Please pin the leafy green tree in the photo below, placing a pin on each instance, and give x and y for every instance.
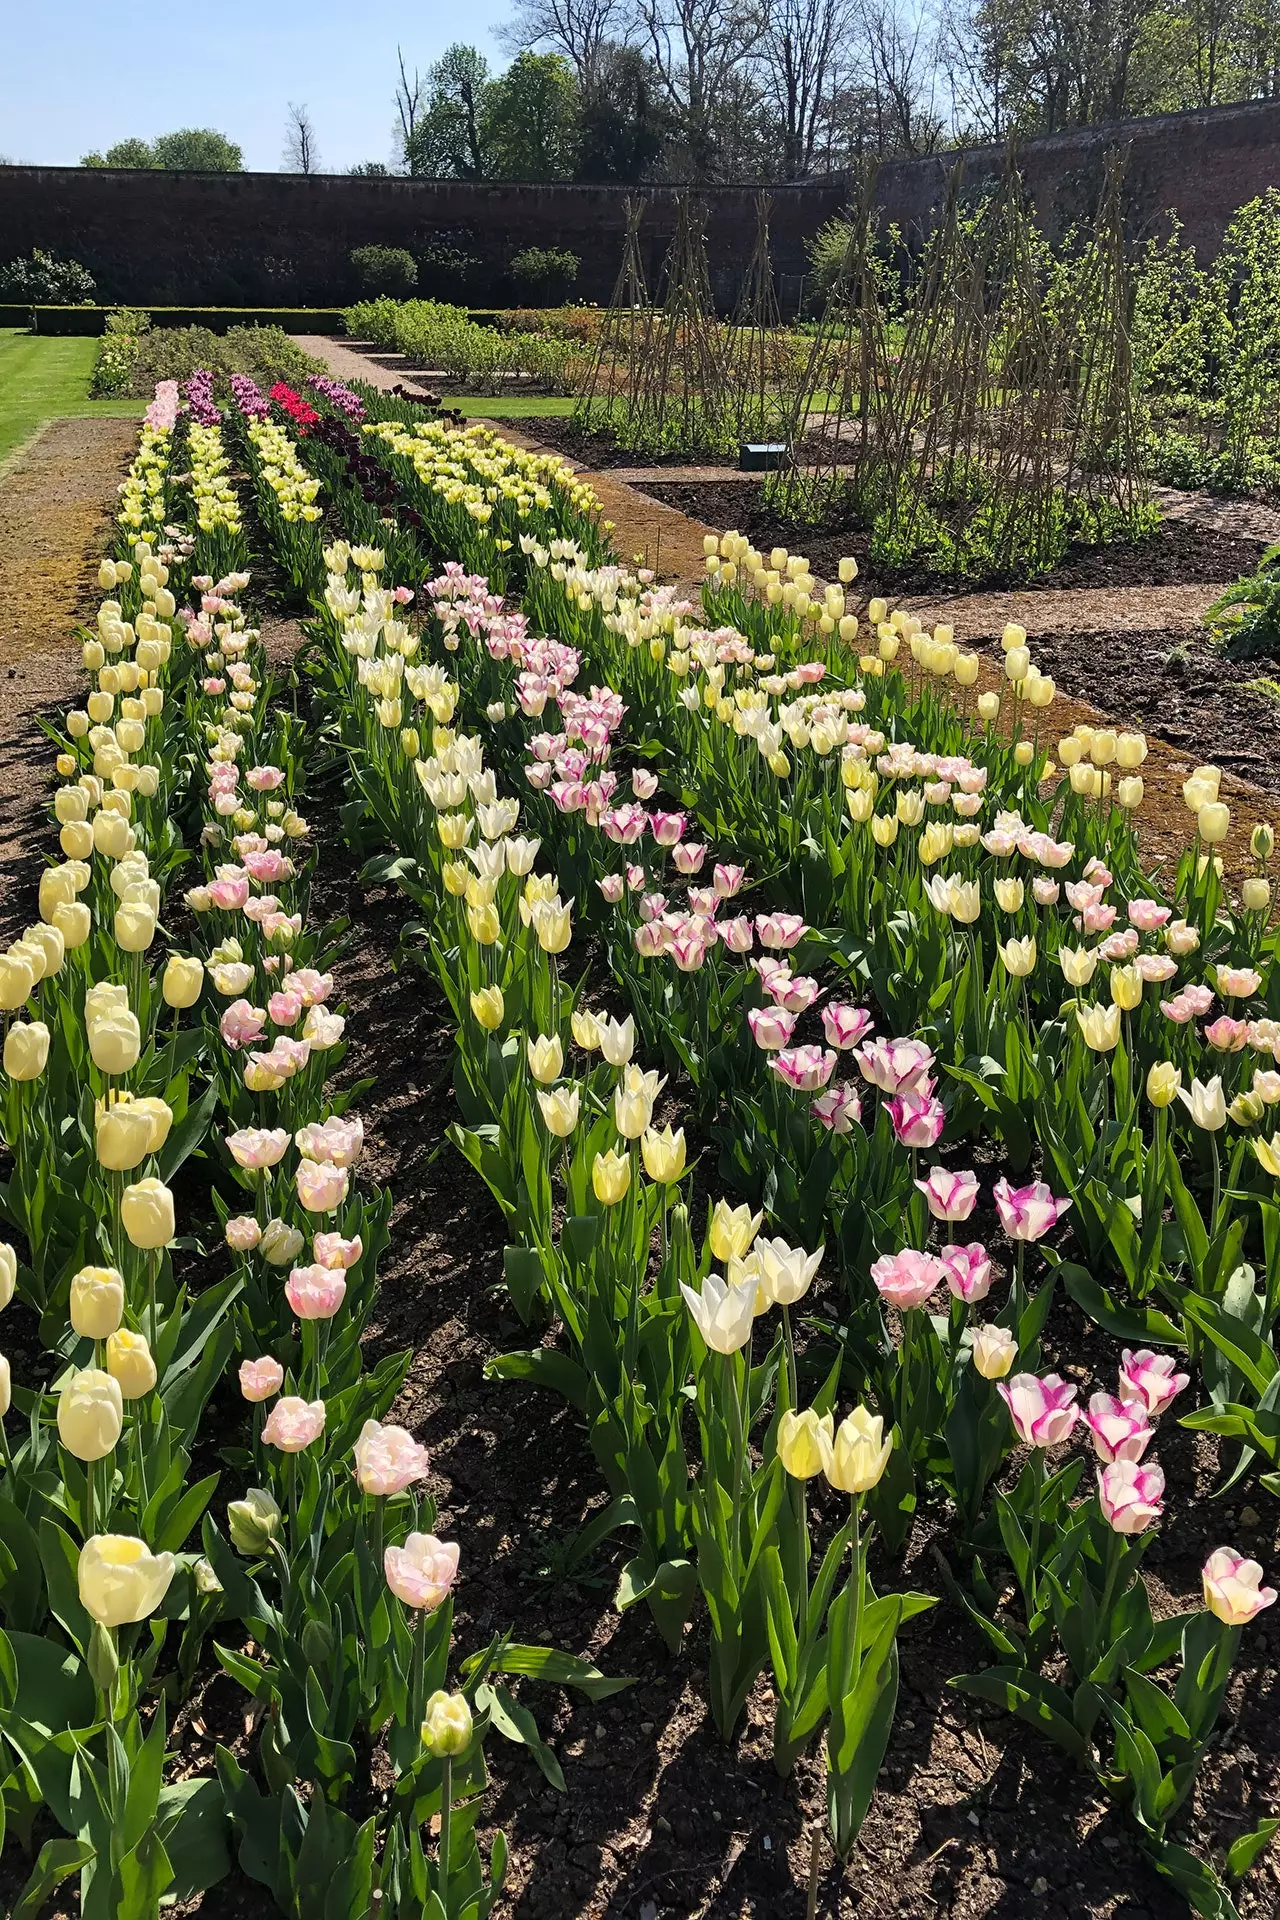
(190, 150)
(531, 119)
(624, 127)
(446, 140)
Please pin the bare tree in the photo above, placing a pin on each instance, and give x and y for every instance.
(410, 103)
(901, 76)
(802, 52)
(699, 49)
(301, 153)
(579, 29)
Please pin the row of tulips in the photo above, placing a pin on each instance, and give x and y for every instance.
(329, 1578)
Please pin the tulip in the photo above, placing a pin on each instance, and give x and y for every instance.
(321, 1188)
(663, 1155)
(1041, 1409)
(950, 1196)
(1232, 1587)
(1206, 1103)
(967, 1271)
(26, 1049)
(617, 1040)
(1163, 1083)
(488, 1008)
(844, 1026)
(259, 1379)
(917, 1118)
(387, 1459)
(800, 1441)
(182, 980)
(294, 1423)
(1213, 822)
(1099, 1027)
(97, 1302)
(1119, 1427)
(122, 1135)
(257, 1148)
(130, 1363)
(1027, 1213)
(253, 1522)
(115, 1040)
(146, 1214)
(315, 1293)
(785, 1273)
(771, 1027)
(8, 1272)
(610, 1177)
(1130, 1495)
(281, 1244)
(732, 1230)
(90, 1414)
(906, 1279)
(855, 1457)
(1018, 957)
(546, 1058)
(1238, 983)
(1150, 1380)
(559, 1110)
(422, 1571)
(120, 1580)
(446, 1730)
(994, 1351)
(722, 1312)
(335, 1142)
(331, 1250)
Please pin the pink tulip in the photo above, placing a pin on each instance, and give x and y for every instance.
(1119, 1427)
(294, 1423)
(422, 1571)
(259, 1379)
(917, 1118)
(704, 901)
(906, 1279)
(895, 1066)
(265, 779)
(951, 1196)
(967, 1271)
(837, 1108)
(804, 1068)
(635, 879)
(1082, 895)
(1179, 1009)
(1149, 1379)
(737, 934)
(1238, 983)
(315, 1293)
(266, 865)
(257, 1148)
(321, 1187)
(1198, 997)
(843, 1025)
(1156, 968)
(1131, 1495)
(388, 1459)
(331, 1250)
(667, 828)
(229, 894)
(1147, 915)
(1027, 1213)
(241, 1025)
(337, 1141)
(611, 888)
(690, 945)
(1232, 1588)
(1226, 1035)
(284, 1008)
(311, 985)
(780, 930)
(1118, 947)
(689, 857)
(1099, 919)
(794, 993)
(643, 783)
(1045, 891)
(1040, 1409)
(242, 1233)
(729, 880)
(770, 1027)
(652, 906)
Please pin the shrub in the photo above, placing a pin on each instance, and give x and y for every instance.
(44, 278)
(265, 354)
(385, 270)
(118, 352)
(445, 339)
(545, 274)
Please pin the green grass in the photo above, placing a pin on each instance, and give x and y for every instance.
(46, 378)
(507, 407)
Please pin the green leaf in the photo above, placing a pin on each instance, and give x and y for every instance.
(558, 1669)
(543, 1367)
(57, 1859)
(191, 1819)
(1032, 1698)
(1141, 1325)
(517, 1724)
(1244, 1851)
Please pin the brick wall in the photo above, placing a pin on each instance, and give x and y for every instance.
(255, 238)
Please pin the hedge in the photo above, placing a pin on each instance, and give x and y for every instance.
(93, 320)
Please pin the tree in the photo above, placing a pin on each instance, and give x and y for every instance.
(446, 138)
(126, 153)
(301, 151)
(699, 48)
(584, 31)
(197, 150)
(409, 105)
(624, 128)
(802, 48)
(530, 120)
(370, 169)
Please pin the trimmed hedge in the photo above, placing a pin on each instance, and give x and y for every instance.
(93, 320)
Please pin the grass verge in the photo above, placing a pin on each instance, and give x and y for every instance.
(44, 378)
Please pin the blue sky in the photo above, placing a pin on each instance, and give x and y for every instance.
(82, 74)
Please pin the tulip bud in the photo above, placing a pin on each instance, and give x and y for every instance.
(446, 1729)
(1262, 841)
(253, 1522)
(182, 981)
(1256, 894)
(26, 1049)
(610, 1177)
(97, 1302)
(130, 1364)
(800, 1441)
(146, 1213)
(994, 1351)
(1163, 1082)
(90, 1414)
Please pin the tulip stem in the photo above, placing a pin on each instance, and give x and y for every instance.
(446, 1809)
(153, 1274)
(1033, 1564)
(7, 1457)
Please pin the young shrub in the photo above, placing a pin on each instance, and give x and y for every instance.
(544, 275)
(385, 270)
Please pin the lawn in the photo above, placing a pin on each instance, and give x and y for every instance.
(46, 379)
(521, 407)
